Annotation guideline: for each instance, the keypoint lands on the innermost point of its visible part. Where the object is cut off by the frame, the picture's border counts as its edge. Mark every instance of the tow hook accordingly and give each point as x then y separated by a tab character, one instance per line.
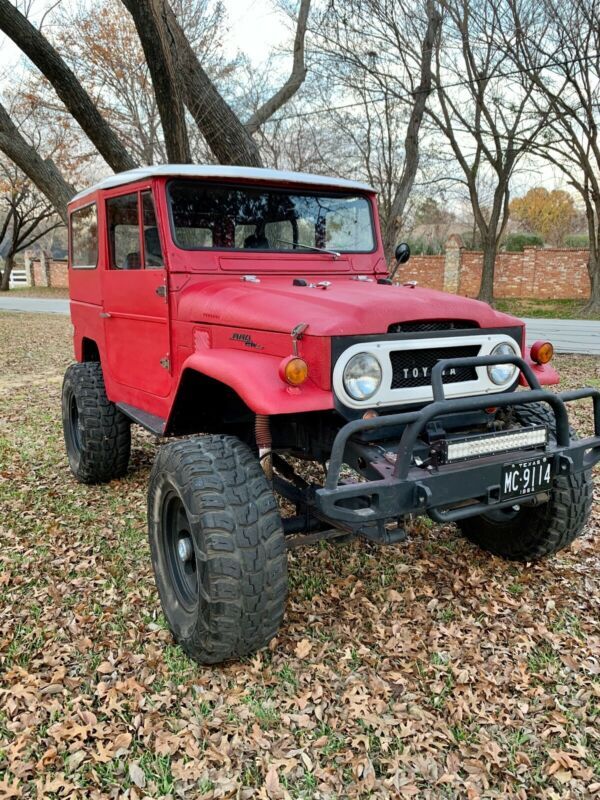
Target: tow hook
380	534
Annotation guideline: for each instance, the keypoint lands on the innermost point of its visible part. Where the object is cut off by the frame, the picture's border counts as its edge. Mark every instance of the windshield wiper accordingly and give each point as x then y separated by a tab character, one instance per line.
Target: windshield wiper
333	253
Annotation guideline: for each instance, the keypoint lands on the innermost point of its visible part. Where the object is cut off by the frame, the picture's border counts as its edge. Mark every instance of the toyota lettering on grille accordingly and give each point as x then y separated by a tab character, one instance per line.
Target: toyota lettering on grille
417	372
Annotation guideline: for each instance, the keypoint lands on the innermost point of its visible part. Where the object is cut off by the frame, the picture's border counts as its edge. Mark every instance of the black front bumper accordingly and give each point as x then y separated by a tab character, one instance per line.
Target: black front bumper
450	491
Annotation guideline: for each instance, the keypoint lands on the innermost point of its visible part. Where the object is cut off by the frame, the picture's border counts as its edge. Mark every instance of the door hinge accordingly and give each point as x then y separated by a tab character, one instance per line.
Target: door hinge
165	362
161	291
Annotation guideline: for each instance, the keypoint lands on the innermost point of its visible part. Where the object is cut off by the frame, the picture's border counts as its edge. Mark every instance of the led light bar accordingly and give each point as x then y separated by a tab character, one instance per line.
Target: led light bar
492	443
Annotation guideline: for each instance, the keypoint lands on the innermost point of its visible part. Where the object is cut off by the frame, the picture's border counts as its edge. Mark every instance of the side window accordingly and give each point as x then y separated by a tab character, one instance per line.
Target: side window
84	238
153	257
122	218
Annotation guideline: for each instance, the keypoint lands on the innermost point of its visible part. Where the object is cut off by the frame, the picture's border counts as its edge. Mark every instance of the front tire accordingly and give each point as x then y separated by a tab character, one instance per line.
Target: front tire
218	548
97	434
534	532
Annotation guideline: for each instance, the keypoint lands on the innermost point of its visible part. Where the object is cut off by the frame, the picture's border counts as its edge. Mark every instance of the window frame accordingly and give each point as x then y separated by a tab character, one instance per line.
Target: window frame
92	204
268	187
148	190
138	193
111	265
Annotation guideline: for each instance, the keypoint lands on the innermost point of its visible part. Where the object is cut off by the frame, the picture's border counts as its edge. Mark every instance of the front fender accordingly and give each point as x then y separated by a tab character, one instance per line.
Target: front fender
255	379
545	373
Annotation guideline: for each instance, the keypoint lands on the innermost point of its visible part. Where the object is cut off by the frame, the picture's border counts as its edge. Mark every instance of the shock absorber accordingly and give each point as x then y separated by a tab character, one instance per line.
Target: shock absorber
262	430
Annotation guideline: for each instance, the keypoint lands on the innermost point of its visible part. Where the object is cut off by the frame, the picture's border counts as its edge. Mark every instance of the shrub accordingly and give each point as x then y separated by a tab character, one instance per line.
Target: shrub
421	247
579	240
516	242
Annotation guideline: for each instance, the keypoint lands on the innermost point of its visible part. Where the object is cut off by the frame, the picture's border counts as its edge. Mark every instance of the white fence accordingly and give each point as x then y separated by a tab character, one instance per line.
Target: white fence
19	278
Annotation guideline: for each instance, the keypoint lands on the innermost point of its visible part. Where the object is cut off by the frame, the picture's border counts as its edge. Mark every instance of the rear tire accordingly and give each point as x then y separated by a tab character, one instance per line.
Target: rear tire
218	548
97	434
533	532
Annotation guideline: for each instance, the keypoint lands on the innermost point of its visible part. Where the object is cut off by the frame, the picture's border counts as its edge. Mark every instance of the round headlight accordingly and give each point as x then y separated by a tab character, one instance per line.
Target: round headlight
362	376
502	373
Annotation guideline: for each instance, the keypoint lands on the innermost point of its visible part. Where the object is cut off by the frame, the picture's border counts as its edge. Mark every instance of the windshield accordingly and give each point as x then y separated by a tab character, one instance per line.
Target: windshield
222	217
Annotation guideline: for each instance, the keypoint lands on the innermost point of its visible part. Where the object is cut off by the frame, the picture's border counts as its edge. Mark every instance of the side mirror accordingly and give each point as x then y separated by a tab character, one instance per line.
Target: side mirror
402	253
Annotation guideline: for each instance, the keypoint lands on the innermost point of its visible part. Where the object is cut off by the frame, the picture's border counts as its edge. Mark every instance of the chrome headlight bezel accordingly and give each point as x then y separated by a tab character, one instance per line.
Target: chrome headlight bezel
503	374
366	369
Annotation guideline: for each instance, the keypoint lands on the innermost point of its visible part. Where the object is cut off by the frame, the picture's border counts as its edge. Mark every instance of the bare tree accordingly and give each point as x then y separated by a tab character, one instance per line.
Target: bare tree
484	109
382	52
102	47
558	44
178	79
295	80
78	102
28	218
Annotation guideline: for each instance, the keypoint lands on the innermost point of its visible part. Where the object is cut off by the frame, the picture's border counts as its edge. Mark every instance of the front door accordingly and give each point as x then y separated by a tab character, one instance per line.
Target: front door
135	296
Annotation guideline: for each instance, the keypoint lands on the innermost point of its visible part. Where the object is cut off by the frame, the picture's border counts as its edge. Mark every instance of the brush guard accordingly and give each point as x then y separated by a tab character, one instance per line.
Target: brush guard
450	491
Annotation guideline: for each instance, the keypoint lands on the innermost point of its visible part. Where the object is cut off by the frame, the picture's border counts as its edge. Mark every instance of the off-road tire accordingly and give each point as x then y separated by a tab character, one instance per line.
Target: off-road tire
97	434
537	531
226	508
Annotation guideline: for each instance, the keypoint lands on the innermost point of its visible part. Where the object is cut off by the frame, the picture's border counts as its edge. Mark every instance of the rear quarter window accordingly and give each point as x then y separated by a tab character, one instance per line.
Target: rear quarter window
84	237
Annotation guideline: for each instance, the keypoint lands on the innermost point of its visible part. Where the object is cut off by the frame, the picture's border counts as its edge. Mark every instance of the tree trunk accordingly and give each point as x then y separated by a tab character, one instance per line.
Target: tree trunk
225	134
8	267
149	17
593	305
486	290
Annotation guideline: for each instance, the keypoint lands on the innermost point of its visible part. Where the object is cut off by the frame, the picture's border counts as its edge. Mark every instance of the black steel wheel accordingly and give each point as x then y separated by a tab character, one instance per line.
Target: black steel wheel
180	552
97	435
218	548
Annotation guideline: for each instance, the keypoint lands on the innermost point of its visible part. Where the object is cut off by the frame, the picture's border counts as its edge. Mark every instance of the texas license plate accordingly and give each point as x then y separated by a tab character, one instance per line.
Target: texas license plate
526	477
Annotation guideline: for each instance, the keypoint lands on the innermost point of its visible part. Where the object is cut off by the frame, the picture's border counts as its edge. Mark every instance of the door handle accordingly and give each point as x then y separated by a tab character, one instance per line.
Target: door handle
161	291
105	315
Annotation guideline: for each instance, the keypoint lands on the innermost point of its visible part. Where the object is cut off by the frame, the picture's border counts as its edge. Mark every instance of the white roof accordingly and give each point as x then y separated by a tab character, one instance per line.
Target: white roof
221	171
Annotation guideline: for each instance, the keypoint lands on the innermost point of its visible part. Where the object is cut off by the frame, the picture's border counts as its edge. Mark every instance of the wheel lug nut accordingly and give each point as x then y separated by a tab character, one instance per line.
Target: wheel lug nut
184	549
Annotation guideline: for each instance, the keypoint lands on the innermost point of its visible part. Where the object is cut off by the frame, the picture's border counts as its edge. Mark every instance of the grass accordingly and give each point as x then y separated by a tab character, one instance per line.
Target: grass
49	292
548	309
425	657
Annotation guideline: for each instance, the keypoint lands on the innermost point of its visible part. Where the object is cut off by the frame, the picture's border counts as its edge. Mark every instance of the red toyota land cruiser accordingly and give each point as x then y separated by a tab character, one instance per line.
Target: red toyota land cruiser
254	307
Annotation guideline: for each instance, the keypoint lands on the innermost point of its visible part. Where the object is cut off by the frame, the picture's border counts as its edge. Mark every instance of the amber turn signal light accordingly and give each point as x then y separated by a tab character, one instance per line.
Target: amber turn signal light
293	370
541	352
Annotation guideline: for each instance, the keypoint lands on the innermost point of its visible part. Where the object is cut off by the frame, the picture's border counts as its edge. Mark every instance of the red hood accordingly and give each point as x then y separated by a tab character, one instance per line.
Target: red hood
345	307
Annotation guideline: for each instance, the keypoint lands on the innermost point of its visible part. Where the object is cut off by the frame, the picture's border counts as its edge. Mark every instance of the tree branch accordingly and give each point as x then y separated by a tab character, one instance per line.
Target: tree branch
43	173
71	92
293	83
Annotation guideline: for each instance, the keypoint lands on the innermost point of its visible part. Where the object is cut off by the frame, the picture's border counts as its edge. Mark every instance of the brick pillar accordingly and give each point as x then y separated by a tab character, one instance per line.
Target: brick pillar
28	270
452	263
43	271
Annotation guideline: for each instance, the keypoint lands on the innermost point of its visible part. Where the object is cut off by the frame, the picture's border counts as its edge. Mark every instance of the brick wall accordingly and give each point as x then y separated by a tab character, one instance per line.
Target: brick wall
427	270
49	273
535	273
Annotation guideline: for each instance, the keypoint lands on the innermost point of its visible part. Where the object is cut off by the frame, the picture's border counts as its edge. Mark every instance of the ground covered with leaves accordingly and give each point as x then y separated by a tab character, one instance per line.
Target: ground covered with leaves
426	670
